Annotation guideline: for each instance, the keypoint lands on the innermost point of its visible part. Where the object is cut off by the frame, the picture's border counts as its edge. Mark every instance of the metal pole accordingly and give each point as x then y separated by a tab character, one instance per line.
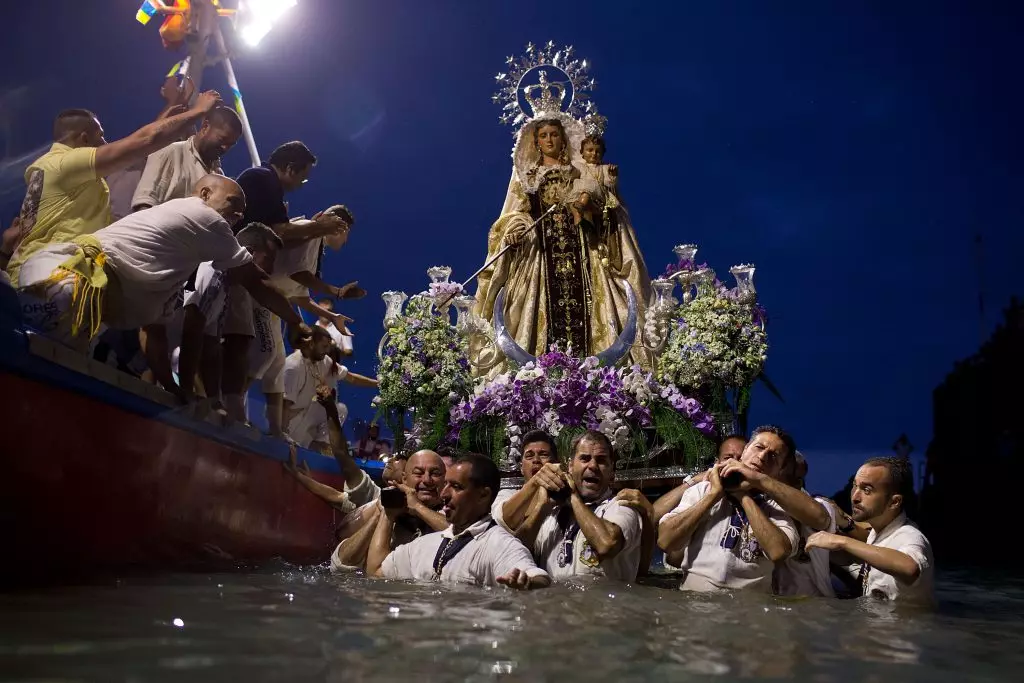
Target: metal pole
204	18
229	71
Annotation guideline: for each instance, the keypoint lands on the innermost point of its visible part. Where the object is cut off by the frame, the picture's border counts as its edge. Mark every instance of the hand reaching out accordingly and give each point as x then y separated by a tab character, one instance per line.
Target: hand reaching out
825	541
632	498
207	101
516	579
339	321
350	291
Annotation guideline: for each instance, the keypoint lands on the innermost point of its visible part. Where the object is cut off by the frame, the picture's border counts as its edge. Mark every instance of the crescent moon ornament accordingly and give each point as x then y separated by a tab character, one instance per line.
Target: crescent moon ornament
610	356
624	342
503	339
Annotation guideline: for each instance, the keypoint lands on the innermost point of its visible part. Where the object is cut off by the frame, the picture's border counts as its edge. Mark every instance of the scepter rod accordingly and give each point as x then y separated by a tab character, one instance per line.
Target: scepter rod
497	256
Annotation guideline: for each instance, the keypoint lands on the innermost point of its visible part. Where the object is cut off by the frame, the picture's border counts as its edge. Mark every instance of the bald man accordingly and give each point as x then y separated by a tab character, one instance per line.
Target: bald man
130	274
420	514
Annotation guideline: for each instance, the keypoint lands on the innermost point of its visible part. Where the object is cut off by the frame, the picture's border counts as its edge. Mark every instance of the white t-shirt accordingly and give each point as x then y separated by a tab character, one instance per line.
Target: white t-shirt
493	552
742	565
172	173
302	377
550	545
153	253
298	259
499	503
904	536
209	297
364	492
807	572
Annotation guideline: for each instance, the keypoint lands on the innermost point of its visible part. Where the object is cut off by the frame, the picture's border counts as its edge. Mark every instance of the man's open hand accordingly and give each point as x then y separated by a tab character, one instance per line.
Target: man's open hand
208	100
517	579
350	291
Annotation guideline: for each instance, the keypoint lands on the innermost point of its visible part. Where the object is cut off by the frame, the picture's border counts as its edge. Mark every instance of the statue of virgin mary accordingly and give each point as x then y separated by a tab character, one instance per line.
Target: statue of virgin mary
565	277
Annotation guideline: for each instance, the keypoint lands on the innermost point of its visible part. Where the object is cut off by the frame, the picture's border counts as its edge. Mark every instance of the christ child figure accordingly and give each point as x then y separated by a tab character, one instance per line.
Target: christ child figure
607	175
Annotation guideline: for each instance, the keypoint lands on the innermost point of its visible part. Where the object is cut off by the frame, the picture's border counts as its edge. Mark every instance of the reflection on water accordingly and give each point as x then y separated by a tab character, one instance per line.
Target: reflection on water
309	626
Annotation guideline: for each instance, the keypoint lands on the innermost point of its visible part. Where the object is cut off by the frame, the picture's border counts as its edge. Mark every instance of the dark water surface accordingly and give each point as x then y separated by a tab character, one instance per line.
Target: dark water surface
305	625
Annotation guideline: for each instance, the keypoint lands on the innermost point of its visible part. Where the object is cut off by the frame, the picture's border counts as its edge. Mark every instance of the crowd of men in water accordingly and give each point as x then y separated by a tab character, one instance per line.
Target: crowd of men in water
141	252
176	259
747	523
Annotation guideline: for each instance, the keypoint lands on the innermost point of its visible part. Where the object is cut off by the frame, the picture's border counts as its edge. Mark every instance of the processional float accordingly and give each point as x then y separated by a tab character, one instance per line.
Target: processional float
468	391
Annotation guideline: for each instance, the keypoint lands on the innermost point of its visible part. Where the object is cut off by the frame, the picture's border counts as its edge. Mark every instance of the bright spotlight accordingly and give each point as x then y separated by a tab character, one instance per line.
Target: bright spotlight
259	16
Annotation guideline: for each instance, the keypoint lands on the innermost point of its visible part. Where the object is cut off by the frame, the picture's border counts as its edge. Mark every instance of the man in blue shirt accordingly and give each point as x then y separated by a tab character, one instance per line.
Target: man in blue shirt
265	186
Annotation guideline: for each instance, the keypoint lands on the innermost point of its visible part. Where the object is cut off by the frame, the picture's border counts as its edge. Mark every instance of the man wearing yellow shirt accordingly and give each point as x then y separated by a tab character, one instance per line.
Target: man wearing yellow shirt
67	196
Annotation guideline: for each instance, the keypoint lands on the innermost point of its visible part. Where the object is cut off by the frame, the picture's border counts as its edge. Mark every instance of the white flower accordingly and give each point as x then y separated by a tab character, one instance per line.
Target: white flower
527	373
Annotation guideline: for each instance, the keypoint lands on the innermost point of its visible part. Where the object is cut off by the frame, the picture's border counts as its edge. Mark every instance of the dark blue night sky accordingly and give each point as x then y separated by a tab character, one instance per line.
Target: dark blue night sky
852	150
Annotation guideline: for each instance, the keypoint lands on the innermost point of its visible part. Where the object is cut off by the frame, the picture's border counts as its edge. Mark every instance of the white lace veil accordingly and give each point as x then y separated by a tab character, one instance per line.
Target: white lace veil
525	154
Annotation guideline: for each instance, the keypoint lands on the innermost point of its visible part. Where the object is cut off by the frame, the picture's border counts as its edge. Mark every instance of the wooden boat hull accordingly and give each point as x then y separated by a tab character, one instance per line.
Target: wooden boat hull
97	479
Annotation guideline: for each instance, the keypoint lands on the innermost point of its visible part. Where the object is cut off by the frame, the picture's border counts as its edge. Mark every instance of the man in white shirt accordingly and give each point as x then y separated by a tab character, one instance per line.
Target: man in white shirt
417	511
583	530
130	274
528	505
732	536
474	549
172	172
205	307
309	371
807	571
730	448
897	562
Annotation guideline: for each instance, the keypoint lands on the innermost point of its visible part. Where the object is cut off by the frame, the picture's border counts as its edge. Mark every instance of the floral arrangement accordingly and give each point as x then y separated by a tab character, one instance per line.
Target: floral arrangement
424	368
715	340
445	291
564	396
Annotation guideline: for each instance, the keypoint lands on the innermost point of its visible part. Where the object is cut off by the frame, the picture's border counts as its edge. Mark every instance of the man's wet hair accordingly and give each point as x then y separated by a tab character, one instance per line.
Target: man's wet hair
292	154
539	435
731	437
71	122
224	117
320	333
901	475
257	237
778	431
482	472
342	212
591	436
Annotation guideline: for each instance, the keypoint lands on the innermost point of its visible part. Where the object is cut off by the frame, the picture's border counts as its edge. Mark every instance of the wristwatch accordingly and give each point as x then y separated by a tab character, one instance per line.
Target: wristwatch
847	529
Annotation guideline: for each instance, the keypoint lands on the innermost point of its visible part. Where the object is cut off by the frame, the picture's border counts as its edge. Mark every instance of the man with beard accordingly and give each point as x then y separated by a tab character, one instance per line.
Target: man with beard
172	172
584	531
473	549
732	535
896	561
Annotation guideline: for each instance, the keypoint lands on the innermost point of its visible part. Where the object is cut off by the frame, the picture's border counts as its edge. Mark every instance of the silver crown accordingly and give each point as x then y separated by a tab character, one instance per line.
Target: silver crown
546	96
